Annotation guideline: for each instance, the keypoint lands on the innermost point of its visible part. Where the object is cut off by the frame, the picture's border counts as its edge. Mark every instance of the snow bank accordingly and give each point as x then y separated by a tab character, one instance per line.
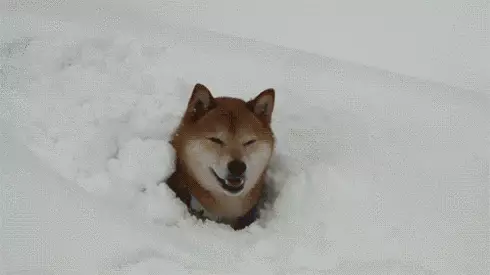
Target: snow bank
375	173
52	226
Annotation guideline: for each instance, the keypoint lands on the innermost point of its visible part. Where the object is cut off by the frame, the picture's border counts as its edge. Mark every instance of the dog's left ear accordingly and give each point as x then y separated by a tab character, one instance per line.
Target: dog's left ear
263	105
201	102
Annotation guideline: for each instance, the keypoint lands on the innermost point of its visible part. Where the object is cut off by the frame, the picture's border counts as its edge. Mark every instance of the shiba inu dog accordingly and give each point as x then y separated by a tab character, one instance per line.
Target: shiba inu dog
223	146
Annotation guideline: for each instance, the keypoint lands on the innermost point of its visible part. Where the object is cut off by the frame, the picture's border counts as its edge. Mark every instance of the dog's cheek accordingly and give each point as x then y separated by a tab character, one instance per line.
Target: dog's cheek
257	159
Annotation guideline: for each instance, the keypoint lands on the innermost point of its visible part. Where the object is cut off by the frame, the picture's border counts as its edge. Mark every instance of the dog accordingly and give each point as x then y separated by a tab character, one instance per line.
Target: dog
223	146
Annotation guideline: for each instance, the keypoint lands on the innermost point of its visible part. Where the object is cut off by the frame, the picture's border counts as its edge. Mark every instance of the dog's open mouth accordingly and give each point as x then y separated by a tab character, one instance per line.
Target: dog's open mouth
231	184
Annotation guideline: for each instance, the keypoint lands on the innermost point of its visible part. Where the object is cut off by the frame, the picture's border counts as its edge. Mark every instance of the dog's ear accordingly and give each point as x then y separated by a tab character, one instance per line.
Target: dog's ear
263	105
201	102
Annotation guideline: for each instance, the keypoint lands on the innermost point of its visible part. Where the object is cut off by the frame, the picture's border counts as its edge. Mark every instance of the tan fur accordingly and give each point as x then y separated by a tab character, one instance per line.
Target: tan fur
235	122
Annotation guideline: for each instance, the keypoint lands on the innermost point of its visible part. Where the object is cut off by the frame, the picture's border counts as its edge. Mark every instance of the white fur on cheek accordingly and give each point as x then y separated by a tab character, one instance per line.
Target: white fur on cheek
256	162
199	162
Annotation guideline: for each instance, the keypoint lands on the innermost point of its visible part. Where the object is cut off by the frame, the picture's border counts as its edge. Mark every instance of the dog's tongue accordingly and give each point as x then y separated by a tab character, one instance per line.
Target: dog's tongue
234	181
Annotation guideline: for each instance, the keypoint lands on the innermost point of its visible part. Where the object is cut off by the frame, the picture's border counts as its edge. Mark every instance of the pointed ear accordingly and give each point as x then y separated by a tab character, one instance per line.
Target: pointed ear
201	102
263	105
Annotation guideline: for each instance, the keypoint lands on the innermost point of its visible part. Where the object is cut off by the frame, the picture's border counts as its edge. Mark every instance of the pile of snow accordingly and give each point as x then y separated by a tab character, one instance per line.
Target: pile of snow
374	173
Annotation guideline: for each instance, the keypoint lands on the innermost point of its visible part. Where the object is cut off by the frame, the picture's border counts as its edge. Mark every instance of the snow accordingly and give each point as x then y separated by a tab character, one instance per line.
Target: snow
374	173
437	40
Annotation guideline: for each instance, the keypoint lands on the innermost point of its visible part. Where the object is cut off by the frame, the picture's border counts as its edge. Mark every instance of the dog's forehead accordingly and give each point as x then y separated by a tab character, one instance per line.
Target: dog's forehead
230	104
234	121
234	111
229	117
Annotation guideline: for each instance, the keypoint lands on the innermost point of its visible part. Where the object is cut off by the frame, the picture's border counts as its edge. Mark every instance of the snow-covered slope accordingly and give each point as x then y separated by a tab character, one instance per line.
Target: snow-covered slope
439	40
375	173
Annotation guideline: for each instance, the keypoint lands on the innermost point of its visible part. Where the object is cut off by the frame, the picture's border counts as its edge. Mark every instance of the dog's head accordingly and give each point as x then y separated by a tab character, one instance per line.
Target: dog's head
226	143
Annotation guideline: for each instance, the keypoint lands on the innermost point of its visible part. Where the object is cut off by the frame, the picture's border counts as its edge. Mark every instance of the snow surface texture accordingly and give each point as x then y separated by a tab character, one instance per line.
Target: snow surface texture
374	173
438	40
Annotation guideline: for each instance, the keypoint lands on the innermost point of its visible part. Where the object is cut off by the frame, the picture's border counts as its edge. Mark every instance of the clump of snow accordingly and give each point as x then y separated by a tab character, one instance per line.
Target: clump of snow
374	173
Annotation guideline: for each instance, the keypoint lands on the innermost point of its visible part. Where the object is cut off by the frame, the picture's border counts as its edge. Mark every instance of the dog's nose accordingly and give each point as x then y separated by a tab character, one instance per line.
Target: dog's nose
236	168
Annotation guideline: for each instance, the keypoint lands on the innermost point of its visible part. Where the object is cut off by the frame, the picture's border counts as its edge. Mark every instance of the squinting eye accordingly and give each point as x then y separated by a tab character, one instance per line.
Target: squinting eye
250	142
216	140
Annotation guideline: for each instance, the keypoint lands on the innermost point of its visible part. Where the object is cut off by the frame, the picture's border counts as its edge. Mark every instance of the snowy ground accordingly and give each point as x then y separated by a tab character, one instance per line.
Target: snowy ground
375	173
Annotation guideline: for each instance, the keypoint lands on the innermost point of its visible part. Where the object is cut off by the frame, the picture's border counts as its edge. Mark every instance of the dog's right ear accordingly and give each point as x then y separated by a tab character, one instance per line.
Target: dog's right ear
201	102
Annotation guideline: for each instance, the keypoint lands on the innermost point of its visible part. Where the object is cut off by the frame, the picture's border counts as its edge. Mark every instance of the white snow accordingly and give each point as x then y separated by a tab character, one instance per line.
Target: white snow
374	173
438	40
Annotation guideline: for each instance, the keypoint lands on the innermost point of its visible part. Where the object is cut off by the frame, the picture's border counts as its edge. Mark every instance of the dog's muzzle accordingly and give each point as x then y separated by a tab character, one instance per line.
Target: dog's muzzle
232	184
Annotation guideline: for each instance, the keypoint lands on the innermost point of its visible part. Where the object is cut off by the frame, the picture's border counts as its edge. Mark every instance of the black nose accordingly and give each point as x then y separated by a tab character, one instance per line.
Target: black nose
236	168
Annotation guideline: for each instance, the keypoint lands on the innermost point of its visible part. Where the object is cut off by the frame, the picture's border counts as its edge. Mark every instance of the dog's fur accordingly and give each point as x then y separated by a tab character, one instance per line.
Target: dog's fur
213	132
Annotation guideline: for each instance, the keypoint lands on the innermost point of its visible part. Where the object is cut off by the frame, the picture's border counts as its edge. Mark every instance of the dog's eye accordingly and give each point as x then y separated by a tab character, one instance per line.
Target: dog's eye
216	140
250	142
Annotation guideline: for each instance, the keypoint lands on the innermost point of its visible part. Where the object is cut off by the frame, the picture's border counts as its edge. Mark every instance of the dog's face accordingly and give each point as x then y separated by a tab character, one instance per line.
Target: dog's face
226	143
